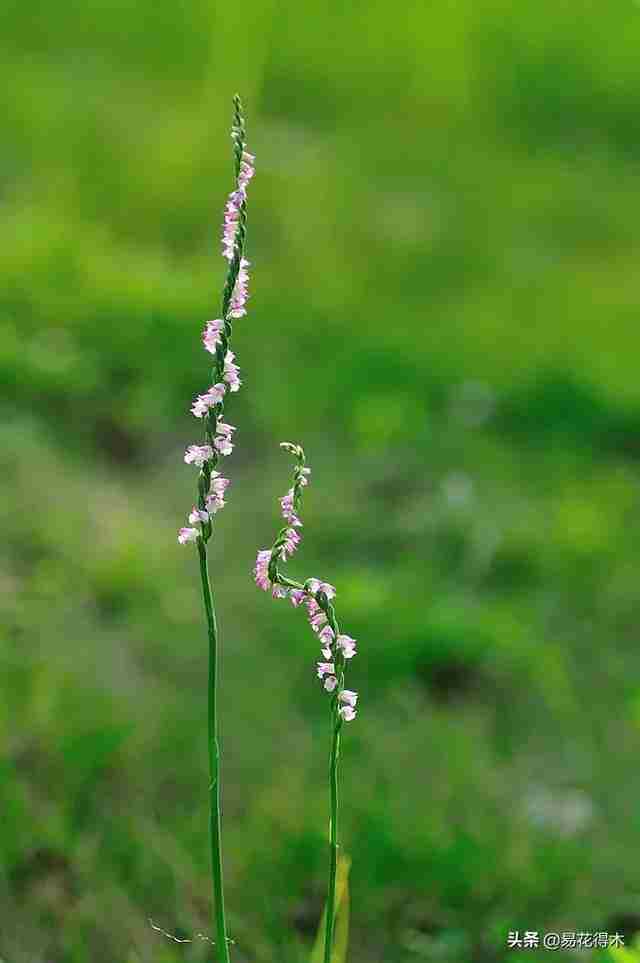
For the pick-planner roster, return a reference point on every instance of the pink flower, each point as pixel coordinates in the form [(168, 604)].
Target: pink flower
[(234, 204), (261, 570), (230, 224), (326, 636), (231, 372), (200, 406), (327, 652), (214, 503), (203, 403), (302, 479), (348, 646), (188, 535), (317, 621), (288, 512), (197, 515), (326, 668), (218, 483), (330, 683), (315, 586), (240, 291), (211, 334), (215, 497), (349, 697), (347, 712), (247, 170), (297, 597), (198, 454), (279, 592), (223, 445), (291, 542), (222, 441)]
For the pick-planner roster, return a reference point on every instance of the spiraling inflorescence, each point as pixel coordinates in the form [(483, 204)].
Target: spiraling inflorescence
[(318, 597), (215, 338)]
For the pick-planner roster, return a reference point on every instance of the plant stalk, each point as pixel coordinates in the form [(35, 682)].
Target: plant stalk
[(333, 837), (219, 920)]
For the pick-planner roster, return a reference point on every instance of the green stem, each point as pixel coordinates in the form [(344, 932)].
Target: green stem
[(333, 838), (214, 763)]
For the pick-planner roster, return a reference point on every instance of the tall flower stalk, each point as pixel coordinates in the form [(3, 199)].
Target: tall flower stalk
[(209, 408), (337, 649)]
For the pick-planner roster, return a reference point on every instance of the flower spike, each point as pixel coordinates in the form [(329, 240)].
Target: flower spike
[(316, 595)]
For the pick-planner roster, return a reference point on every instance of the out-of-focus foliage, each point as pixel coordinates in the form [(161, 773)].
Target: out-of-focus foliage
[(445, 246)]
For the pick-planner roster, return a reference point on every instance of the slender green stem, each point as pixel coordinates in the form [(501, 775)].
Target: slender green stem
[(333, 837), (214, 763)]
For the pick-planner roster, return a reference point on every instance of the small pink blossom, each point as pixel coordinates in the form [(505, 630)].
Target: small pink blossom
[(214, 503), (315, 586), (325, 668), (347, 712), (223, 445), (240, 291), (215, 497), (291, 542), (218, 484), (198, 515), (247, 169), (327, 652), (211, 334), (288, 512), (212, 397), (231, 372), (330, 683), (349, 697), (326, 636), (198, 454), (261, 570), (317, 621), (297, 597), (230, 224), (279, 592), (348, 646), (188, 535)]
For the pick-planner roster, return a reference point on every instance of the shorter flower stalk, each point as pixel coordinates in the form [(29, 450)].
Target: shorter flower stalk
[(337, 648)]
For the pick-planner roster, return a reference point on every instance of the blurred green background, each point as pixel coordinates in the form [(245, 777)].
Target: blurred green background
[(445, 288)]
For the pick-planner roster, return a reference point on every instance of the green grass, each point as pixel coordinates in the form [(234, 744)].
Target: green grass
[(443, 229)]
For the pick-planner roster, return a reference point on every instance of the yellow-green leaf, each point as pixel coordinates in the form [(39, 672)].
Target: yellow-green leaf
[(623, 954), (341, 929)]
